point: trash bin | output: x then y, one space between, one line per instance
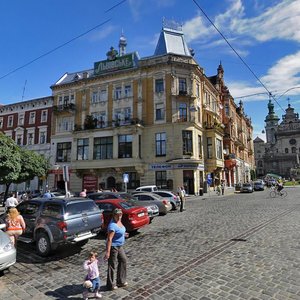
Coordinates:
204 190
201 192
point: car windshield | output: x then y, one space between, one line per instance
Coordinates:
246 184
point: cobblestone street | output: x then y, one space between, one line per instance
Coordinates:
238 246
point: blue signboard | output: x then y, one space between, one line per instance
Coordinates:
209 179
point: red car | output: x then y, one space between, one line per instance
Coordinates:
134 217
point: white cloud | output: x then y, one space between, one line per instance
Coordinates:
102 33
278 22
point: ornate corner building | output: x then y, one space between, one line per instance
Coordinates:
158 119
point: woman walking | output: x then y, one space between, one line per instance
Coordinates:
15 224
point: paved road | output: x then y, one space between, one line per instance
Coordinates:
238 246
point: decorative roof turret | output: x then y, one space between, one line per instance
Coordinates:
171 40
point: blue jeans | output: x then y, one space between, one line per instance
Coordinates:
96 284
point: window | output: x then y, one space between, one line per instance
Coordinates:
286 150
52 210
127 114
183 112
19 139
182 86
187 142
44 116
103 95
133 181
227 111
219 149
159 85
95 97
160 144
197 90
30 138
32 118
200 146
127 91
103 147
65 124
63 153
294 149
209 148
82 149
100 119
21 119
159 112
42 137
118 92
1 122
10 121
161 179
125 146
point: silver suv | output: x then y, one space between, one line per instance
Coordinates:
53 222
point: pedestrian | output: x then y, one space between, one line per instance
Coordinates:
294 181
11 201
115 254
92 279
15 224
223 186
47 194
83 193
182 198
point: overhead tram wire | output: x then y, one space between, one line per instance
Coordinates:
64 44
243 61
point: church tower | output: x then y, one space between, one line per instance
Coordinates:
271 124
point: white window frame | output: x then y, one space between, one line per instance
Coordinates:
10 121
1 122
44 116
43 134
32 117
21 118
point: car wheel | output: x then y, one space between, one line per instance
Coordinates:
43 245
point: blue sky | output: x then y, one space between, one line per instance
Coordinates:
266 34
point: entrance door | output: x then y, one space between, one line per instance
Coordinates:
111 182
188 181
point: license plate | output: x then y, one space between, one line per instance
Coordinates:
141 214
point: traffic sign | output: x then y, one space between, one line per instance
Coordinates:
209 179
125 178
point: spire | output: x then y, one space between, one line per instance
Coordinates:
122 44
271 115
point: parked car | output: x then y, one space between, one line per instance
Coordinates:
53 222
258 186
246 188
147 188
133 218
163 204
173 198
8 252
152 208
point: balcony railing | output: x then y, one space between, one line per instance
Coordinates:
114 123
64 107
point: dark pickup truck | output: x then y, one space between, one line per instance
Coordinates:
53 222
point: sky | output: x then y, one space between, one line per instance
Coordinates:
41 40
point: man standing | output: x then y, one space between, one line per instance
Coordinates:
182 198
11 201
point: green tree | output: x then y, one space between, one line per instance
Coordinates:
18 165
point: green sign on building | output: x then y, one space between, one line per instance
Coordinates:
119 63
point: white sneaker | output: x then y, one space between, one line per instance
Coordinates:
98 295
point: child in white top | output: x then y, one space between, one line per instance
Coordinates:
91 265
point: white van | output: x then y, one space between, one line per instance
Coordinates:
147 188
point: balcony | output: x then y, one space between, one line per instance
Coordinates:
68 107
114 123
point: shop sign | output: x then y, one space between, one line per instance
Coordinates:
90 182
119 63
160 167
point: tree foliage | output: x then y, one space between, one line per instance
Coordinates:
18 164
10 160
